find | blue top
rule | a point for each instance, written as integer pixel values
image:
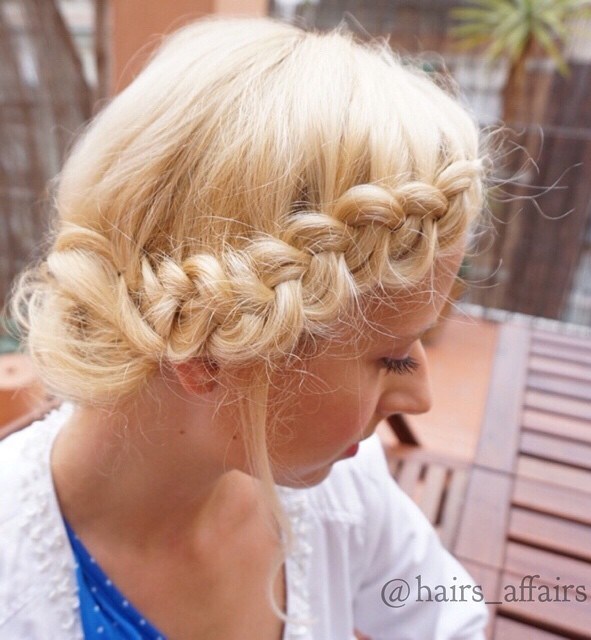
(105, 612)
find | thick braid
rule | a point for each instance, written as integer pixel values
(184, 303)
(257, 300)
(298, 282)
(248, 303)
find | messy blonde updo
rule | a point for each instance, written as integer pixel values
(248, 185)
(244, 193)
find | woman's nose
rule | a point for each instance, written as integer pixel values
(409, 393)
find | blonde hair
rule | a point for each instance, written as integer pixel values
(249, 186)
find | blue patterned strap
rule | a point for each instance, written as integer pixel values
(105, 612)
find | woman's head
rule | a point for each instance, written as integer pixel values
(250, 187)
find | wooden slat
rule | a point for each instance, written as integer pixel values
(408, 477)
(560, 352)
(554, 500)
(454, 502)
(500, 431)
(552, 568)
(551, 384)
(561, 339)
(574, 370)
(489, 580)
(558, 449)
(563, 426)
(549, 532)
(427, 456)
(523, 560)
(401, 427)
(549, 529)
(571, 618)
(557, 405)
(485, 577)
(553, 472)
(483, 525)
(507, 629)
(432, 491)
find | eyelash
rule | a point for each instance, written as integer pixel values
(400, 367)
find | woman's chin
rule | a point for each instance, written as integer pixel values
(304, 480)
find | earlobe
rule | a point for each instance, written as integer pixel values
(197, 376)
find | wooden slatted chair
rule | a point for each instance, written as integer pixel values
(436, 483)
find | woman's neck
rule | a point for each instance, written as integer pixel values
(154, 477)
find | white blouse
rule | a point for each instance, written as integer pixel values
(361, 542)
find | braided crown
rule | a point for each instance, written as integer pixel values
(257, 300)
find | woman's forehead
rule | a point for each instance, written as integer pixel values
(408, 319)
(385, 327)
(416, 309)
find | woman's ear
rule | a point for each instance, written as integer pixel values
(197, 376)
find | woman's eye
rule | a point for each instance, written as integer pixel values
(408, 365)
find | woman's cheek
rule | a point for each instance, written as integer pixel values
(350, 419)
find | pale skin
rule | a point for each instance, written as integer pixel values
(160, 495)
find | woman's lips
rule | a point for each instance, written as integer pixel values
(352, 450)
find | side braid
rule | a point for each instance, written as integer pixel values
(256, 301)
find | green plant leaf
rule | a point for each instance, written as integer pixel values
(549, 46)
(506, 26)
